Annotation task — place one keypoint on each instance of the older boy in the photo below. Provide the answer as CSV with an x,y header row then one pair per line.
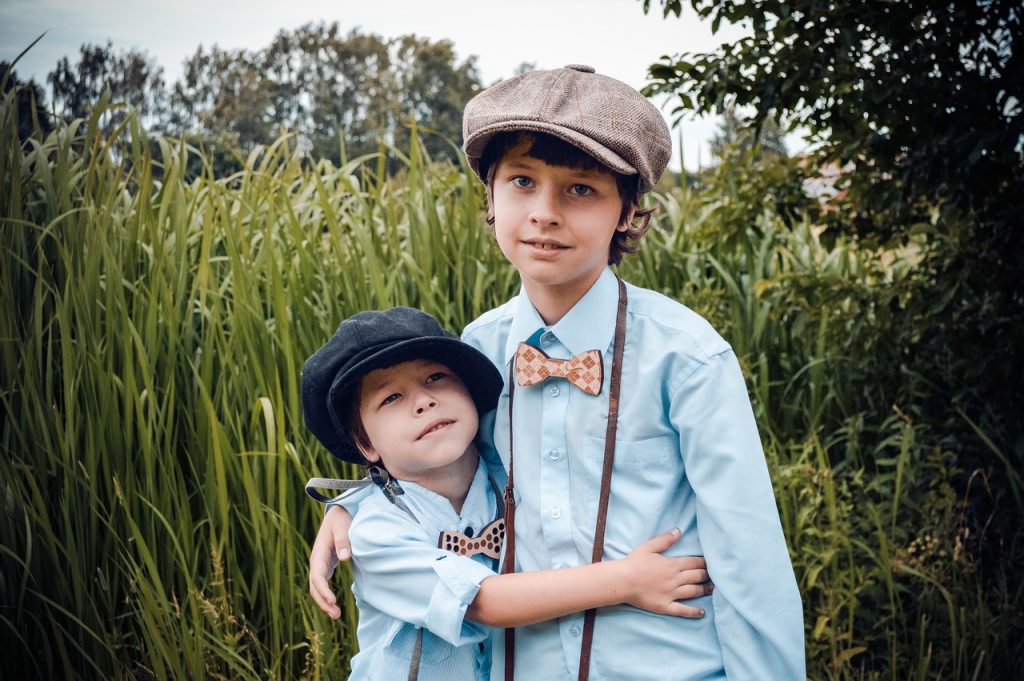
x,y
566,155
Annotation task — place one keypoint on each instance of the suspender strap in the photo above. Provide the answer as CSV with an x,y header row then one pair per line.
x,y
606,473
417,654
331,483
589,618
377,476
509,566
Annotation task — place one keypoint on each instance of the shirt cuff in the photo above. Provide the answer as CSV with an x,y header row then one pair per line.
x,y
458,584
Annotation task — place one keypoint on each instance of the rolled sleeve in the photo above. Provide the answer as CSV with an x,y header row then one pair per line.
x,y
458,584
400,572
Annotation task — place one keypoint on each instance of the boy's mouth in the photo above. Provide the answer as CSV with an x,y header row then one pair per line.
x,y
546,245
435,427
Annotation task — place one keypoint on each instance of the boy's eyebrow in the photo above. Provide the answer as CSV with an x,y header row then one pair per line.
x,y
524,164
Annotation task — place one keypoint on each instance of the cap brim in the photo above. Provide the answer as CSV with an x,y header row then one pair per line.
x,y
477,143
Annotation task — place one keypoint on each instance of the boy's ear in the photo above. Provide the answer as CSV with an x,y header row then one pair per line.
x,y
490,204
370,454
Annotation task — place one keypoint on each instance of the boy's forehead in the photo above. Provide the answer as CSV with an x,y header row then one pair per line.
x,y
380,377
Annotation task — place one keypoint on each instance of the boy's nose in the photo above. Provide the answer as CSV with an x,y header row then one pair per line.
x,y
544,210
424,403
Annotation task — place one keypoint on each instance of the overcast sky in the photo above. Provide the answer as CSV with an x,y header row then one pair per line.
x,y
613,36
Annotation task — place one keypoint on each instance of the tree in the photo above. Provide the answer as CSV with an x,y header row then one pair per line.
x,y
130,76
433,89
337,91
926,101
926,98
32,113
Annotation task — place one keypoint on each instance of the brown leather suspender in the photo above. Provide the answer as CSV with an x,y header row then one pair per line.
x,y
508,565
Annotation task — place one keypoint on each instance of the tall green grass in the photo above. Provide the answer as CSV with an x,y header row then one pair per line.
x,y
152,452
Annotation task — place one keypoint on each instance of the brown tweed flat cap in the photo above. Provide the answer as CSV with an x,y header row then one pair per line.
x,y
602,116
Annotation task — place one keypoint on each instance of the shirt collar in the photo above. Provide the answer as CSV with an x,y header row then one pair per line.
x,y
589,325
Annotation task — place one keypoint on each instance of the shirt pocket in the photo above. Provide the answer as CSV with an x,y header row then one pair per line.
x,y
629,453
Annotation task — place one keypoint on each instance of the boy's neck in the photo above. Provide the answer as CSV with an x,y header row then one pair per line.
x,y
552,303
454,481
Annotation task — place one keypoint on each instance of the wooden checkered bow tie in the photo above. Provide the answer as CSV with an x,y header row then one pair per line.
x,y
585,370
488,542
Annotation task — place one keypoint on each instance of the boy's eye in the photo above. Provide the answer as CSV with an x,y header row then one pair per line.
x,y
436,376
389,399
581,190
521,181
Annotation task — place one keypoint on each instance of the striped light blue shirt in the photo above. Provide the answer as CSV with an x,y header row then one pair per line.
x,y
687,455
404,582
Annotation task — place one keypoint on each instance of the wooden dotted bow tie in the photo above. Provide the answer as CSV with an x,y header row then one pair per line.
x,y
585,370
488,542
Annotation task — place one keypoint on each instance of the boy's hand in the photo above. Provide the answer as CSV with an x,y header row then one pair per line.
x,y
331,547
657,583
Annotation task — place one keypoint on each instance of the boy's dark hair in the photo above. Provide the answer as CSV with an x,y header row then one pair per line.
x,y
354,423
554,151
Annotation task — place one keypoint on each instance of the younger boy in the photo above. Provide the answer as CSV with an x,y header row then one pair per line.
x,y
566,154
391,389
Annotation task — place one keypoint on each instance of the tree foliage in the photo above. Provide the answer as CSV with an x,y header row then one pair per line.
x,y
338,93
131,77
925,101
927,98
33,118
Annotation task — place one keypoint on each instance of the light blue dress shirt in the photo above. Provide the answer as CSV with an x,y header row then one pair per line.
x,y
403,581
687,455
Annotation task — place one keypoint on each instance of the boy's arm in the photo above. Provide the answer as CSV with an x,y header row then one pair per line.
x,y
758,613
403,574
644,579
331,546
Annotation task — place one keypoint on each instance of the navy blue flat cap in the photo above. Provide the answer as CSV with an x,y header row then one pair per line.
x,y
375,340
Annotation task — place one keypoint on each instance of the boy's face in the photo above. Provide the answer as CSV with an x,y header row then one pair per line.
x,y
554,223
420,420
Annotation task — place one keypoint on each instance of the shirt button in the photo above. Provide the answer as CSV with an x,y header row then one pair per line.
x,y
547,337
555,513
574,631
553,391
555,455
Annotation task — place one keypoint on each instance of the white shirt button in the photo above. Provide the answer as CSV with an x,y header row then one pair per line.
x,y
555,454
555,513
547,337
574,631
553,391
